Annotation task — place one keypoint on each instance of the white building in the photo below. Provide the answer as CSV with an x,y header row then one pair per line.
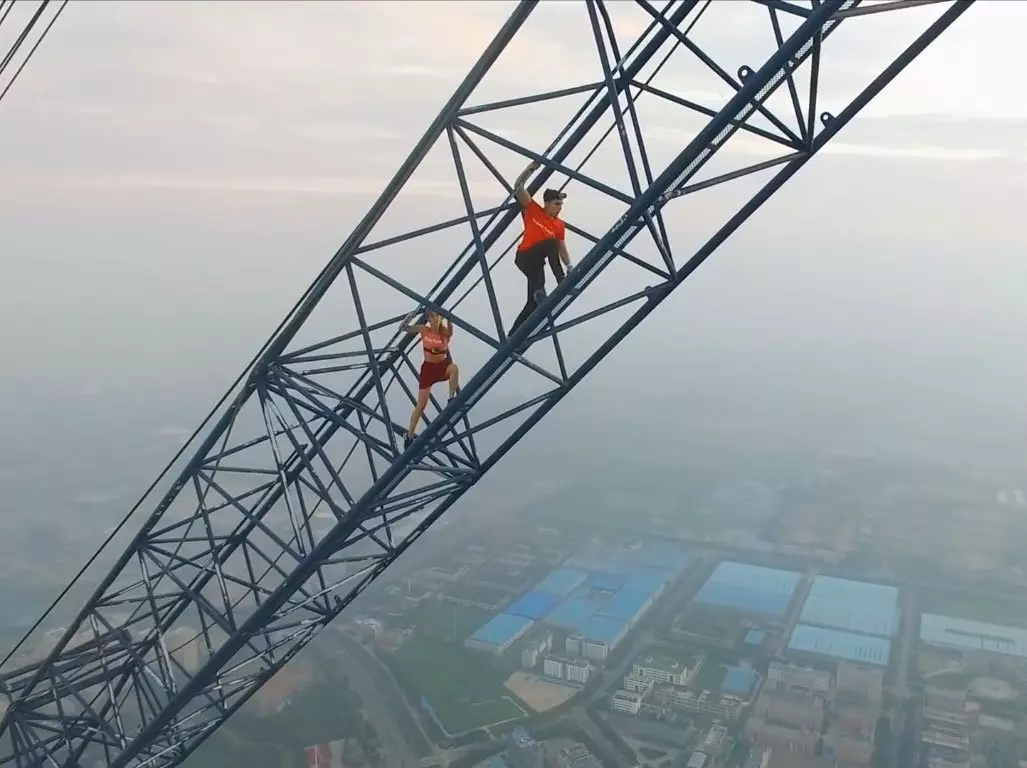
x,y
706,703
714,741
698,760
572,645
534,649
578,671
529,656
660,669
637,684
553,668
592,649
625,701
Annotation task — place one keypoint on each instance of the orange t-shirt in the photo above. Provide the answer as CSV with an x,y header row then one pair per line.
x,y
539,226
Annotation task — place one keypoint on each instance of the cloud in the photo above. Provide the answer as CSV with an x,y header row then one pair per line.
x,y
292,184
327,98
923,152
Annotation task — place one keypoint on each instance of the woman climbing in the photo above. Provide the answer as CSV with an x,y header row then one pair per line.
x,y
438,365
543,241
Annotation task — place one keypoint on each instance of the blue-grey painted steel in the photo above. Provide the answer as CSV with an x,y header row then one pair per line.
x,y
270,531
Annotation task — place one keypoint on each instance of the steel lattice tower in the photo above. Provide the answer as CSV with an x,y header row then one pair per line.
x,y
301,493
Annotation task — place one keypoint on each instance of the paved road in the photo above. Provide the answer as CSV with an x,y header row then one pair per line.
x,y
608,749
907,639
386,710
798,601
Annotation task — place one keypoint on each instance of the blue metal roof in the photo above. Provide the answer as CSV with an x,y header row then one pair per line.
x,y
739,681
749,588
561,582
603,629
625,605
840,645
855,606
501,628
609,582
972,635
533,605
573,612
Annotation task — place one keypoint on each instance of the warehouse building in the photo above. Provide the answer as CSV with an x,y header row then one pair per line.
x,y
499,633
627,606
533,605
839,645
852,606
972,636
749,589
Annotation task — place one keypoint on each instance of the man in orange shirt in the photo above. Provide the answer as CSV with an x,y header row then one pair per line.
x,y
543,241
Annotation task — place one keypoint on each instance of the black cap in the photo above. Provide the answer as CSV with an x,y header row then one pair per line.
x,y
553,194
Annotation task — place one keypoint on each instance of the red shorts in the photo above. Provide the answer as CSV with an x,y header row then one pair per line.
x,y
432,373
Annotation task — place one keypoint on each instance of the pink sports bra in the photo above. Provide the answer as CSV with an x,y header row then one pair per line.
x,y
434,343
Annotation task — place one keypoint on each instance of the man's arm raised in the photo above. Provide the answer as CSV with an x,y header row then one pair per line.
x,y
519,191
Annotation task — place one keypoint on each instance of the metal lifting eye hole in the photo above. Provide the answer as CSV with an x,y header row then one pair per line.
x,y
826,117
744,73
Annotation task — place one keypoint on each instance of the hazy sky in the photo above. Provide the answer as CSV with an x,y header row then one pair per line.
x,y
174,174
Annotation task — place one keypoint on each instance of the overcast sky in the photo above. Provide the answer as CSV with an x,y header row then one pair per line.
x,y
174,174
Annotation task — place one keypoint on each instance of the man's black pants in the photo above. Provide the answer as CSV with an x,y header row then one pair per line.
x,y
532,262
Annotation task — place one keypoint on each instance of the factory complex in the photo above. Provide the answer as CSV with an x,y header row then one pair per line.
x,y
591,601
794,664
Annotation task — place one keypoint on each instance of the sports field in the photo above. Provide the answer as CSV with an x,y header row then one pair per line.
x,y
538,693
465,690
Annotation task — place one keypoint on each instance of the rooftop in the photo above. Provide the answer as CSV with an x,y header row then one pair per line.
x,y
500,629
972,635
561,582
663,664
749,588
840,645
739,681
573,612
609,582
533,605
854,606
603,629
625,605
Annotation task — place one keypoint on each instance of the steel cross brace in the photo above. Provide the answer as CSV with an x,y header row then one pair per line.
x,y
250,570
